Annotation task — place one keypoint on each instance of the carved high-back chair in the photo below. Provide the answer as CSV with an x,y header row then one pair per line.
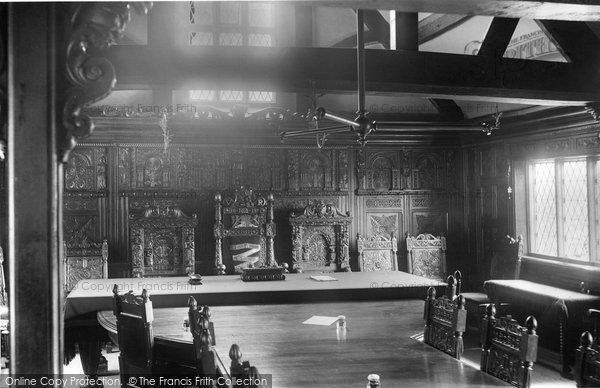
x,y
134,331
162,242
445,320
84,260
244,231
587,358
242,370
508,349
377,253
320,238
427,256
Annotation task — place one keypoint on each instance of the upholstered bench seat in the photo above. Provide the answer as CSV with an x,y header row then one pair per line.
x,y
560,312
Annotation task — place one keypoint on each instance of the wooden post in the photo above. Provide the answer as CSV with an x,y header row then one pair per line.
x,y
34,191
427,313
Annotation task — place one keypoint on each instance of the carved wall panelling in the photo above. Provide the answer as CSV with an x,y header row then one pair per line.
x,y
426,171
86,170
431,222
383,171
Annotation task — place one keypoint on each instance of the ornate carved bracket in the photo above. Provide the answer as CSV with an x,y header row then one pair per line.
x,y
94,26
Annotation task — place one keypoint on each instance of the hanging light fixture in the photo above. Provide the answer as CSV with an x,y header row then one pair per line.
x,y
363,124
490,126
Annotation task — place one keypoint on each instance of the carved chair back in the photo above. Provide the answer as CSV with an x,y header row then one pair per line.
x,y
587,362
242,371
377,253
4,313
445,320
134,331
320,238
508,349
3,294
205,358
427,256
244,231
162,242
84,260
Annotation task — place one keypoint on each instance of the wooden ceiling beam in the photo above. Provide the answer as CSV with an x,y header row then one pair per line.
x,y
498,37
575,40
435,25
433,75
580,10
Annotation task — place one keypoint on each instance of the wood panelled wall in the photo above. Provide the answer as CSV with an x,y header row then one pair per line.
x,y
491,166
409,189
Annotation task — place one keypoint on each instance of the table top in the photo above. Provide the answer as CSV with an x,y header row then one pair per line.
x,y
377,340
92,295
550,294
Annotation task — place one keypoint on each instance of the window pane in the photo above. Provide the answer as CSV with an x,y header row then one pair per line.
x,y
231,13
230,39
256,96
232,95
575,211
202,95
544,209
262,40
201,12
201,38
259,15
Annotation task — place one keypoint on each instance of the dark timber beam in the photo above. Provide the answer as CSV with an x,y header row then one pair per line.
x,y
297,69
370,37
498,37
34,192
575,40
435,25
580,10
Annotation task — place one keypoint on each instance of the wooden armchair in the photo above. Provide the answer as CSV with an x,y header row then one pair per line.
x,y
587,357
427,256
445,319
244,231
84,260
508,349
242,371
377,253
134,331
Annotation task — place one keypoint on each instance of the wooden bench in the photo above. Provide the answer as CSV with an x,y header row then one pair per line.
x,y
560,311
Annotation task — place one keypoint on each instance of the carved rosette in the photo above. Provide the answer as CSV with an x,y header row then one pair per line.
x,y
94,26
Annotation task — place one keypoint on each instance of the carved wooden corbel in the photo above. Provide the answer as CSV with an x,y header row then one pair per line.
x,y
93,26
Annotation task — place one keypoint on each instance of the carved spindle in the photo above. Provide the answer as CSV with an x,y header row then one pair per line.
x,y
451,287
486,331
235,354
579,369
530,350
595,317
218,231
461,322
458,277
270,232
431,292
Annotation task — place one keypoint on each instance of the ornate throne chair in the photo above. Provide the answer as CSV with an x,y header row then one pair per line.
x,y
84,260
427,256
320,238
377,253
244,222
162,242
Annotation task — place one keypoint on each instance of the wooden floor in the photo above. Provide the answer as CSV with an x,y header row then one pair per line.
x,y
412,322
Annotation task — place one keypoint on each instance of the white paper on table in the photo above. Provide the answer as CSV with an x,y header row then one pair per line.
x,y
320,320
323,278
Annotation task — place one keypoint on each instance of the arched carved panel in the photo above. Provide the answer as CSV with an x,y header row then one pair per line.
x,y
426,173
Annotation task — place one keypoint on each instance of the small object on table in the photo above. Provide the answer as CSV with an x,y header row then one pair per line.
x,y
195,279
186,325
286,268
373,381
262,274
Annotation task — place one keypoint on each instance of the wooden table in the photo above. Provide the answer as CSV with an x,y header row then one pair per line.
x,y
378,340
